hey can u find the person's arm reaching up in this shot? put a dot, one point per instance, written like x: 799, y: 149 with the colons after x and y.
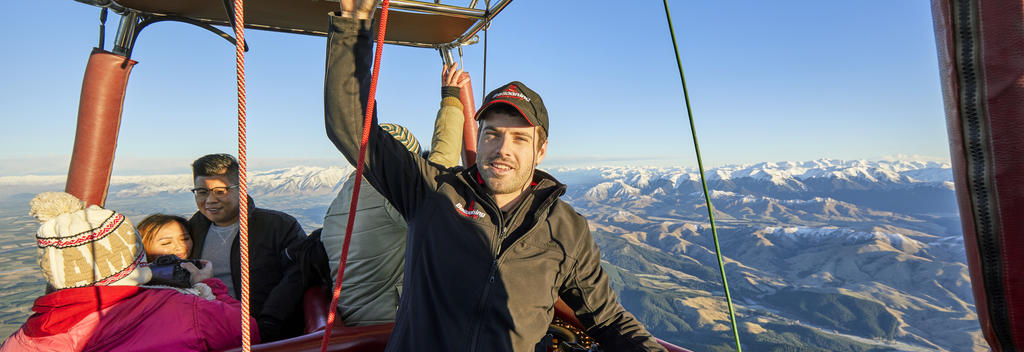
x: 446, y: 144
x: 347, y: 78
x: 399, y: 175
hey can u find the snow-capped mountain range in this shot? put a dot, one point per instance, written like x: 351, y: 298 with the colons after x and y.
x: 788, y: 175
x: 306, y: 180
x: 815, y: 251
x: 602, y: 181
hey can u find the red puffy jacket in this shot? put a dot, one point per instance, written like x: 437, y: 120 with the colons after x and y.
x: 129, y: 318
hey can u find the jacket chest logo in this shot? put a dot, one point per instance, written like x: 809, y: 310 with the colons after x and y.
x: 473, y: 214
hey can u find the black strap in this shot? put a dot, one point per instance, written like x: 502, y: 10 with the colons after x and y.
x: 103, y: 26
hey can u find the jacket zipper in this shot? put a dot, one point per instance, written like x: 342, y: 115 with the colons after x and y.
x: 482, y: 304
x: 494, y: 268
x: 545, y: 207
x: 495, y: 250
x: 502, y: 256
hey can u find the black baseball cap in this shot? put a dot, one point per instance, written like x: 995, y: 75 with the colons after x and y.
x: 522, y: 98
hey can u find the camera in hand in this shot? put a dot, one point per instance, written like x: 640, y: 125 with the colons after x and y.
x: 167, y: 271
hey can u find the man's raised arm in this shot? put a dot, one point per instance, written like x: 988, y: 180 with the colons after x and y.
x: 399, y: 175
x: 447, y: 140
x: 347, y: 78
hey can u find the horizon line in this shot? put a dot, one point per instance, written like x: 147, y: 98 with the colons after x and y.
x: 46, y: 166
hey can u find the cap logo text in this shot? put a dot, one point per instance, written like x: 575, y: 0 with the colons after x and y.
x: 511, y: 92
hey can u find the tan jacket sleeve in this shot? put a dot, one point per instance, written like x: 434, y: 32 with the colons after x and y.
x: 446, y: 144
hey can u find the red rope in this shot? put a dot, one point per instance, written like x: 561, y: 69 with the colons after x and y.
x: 360, y: 163
x: 243, y: 198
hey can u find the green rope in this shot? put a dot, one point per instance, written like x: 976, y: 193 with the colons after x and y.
x: 703, y: 181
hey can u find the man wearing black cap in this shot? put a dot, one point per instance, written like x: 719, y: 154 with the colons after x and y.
x: 490, y: 247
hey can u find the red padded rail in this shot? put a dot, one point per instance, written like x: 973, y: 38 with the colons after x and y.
x: 469, y: 124
x: 315, y: 303
x: 371, y: 338
x: 99, y: 119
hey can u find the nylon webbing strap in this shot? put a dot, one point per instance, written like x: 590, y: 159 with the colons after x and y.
x: 360, y: 163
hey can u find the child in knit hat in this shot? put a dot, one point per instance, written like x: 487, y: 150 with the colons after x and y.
x: 95, y: 260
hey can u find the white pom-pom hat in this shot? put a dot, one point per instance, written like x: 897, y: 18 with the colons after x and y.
x: 81, y: 246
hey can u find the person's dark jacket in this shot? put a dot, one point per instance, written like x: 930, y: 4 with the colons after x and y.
x: 475, y: 279
x: 275, y: 291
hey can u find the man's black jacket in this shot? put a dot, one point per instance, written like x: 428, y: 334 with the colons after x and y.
x: 475, y: 279
x: 275, y: 291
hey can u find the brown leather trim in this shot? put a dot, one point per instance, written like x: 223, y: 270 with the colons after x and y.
x: 99, y: 119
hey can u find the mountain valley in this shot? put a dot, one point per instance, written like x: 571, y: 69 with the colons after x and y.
x: 824, y: 255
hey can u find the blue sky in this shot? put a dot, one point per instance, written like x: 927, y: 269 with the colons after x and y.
x: 769, y: 81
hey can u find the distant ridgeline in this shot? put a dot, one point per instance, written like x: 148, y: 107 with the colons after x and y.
x: 820, y: 255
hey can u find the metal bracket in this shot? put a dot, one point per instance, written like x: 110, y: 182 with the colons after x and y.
x: 132, y: 22
x: 127, y: 31
x: 446, y: 55
x: 154, y: 19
